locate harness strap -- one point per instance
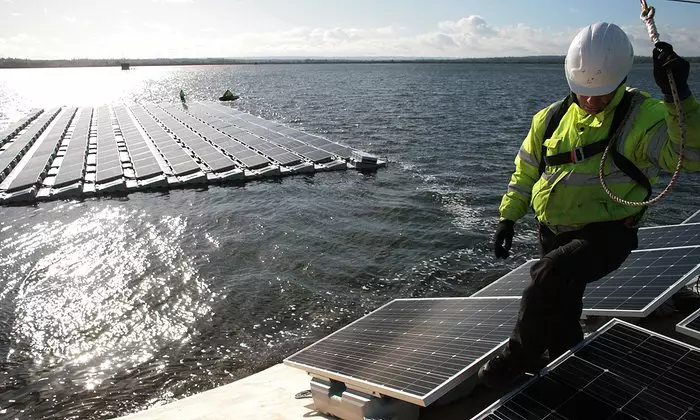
(580, 154)
(561, 107)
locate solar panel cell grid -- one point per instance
(297, 141)
(511, 284)
(644, 281)
(669, 236)
(623, 372)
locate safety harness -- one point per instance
(580, 154)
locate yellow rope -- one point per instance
(648, 18)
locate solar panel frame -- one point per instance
(412, 367)
(694, 218)
(669, 236)
(618, 379)
(690, 326)
(503, 286)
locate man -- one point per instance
(584, 234)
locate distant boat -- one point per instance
(125, 66)
(228, 96)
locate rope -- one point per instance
(648, 17)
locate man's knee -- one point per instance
(544, 272)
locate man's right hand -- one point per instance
(503, 239)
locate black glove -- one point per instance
(503, 239)
(666, 59)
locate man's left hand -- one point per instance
(665, 59)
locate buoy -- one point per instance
(228, 96)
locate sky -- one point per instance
(65, 29)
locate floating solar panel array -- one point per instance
(415, 350)
(620, 372)
(71, 152)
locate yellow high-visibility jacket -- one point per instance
(570, 195)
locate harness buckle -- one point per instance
(577, 155)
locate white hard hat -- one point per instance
(599, 59)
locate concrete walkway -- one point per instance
(266, 395)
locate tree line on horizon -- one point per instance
(111, 62)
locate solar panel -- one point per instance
(510, 285)
(691, 325)
(620, 372)
(669, 236)
(414, 350)
(643, 282)
(695, 218)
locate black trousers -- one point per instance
(551, 305)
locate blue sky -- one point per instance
(325, 28)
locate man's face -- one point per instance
(594, 104)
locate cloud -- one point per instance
(21, 45)
(472, 26)
(470, 36)
(15, 14)
(69, 19)
(173, 1)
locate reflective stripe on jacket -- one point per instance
(571, 194)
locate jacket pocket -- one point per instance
(552, 145)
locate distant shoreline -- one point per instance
(142, 62)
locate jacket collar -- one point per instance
(598, 119)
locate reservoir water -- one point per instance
(112, 305)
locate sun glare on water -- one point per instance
(24, 89)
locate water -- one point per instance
(110, 306)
